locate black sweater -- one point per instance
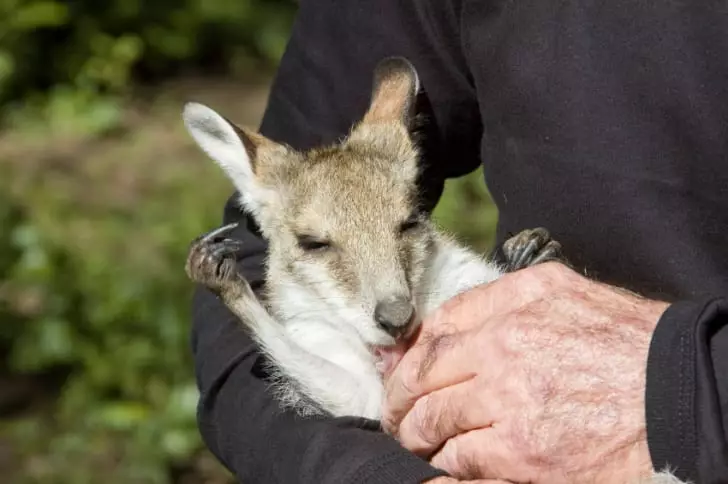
(604, 121)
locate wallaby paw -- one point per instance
(211, 261)
(531, 247)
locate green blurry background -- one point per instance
(100, 192)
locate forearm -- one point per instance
(687, 391)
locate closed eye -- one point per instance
(310, 243)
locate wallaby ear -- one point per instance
(394, 92)
(388, 123)
(224, 142)
(235, 149)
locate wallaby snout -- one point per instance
(394, 315)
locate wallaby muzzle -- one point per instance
(394, 315)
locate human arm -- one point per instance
(322, 87)
(557, 370)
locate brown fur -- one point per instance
(336, 193)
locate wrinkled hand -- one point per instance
(537, 377)
(450, 480)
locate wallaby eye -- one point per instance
(411, 223)
(309, 243)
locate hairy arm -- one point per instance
(322, 87)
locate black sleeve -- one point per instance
(687, 391)
(322, 87)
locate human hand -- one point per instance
(537, 377)
(450, 480)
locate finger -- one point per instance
(430, 365)
(479, 454)
(486, 481)
(443, 414)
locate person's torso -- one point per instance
(607, 123)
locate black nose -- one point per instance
(394, 315)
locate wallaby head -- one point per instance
(343, 223)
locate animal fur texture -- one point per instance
(354, 263)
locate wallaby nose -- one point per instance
(394, 315)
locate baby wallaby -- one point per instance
(354, 263)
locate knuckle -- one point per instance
(548, 273)
(516, 334)
(388, 423)
(410, 378)
(535, 446)
(459, 458)
(559, 274)
(518, 438)
(534, 282)
(425, 421)
(448, 458)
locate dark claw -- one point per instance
(211, 261)
(551, 252)
(523, 255)
(528, 248)
(226, 247)
(224, 230)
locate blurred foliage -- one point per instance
(91, 261)
(467, 211)
(95, 224)
(62, 60)
(91, 275)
